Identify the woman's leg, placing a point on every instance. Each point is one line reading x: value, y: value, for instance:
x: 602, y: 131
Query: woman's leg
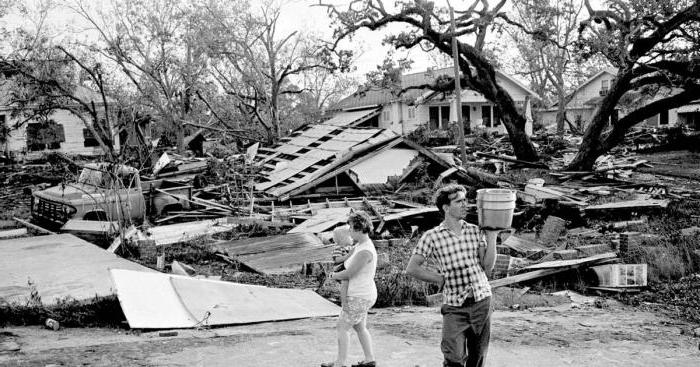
x: 365, y: 339
x: 342, y: 328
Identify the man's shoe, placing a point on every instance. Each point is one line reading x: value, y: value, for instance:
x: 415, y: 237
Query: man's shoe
x: 365, y: 364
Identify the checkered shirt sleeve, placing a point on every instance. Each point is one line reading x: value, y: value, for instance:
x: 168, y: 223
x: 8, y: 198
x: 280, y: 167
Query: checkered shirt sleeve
x: 458, y: 260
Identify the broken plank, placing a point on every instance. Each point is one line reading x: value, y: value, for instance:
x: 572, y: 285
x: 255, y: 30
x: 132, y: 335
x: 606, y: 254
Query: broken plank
x: 563, y: 265
x: 630, y: 204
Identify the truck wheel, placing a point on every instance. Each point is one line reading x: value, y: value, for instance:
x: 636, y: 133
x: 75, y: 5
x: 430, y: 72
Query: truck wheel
x: 96, y: 216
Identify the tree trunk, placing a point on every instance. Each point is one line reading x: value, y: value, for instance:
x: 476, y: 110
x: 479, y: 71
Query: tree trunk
x: 592, y: 144
x: 561, y: 112
x: 515, y: 125
x: 180, y: 134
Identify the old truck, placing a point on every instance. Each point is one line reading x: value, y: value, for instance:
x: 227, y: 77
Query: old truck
x: 108, y: 192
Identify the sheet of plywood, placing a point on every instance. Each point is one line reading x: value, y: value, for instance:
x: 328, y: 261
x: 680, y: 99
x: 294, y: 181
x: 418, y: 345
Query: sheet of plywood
x: 278, y: 254
x: 324, y: 220
x: 157, y: 301
x: 59, y: 266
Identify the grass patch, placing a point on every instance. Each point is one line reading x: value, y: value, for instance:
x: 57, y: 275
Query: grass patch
x: 96, y: 312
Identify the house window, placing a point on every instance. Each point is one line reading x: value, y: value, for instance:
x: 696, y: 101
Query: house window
x: 42, y: 136
x: 604, y: 87
x: 433, y: 117
x: 386, y: 115
x: 663, y: 118
x: 89, y: 139
x: 486, y: 115
x: 411, y: 112
x: 444, y: 116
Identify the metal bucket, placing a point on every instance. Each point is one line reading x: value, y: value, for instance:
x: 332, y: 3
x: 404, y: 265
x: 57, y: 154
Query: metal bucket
x: 495, y: 208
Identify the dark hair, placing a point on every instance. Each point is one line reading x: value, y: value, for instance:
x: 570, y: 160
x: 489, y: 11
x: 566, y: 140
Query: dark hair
x: 443, y: 195
x: 360, y: 221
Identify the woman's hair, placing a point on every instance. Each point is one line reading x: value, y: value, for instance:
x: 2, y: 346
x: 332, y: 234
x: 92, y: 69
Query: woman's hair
x: 444, y: 194
x: 360, y: 221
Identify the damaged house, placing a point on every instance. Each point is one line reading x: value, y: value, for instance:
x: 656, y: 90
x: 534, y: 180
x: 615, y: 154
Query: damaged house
x: 403, y: 113
x: 327, y: 161
x: 64, y: 131
x: 585, y: 99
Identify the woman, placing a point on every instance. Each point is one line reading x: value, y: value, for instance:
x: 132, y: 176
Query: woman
x: 360, y: 268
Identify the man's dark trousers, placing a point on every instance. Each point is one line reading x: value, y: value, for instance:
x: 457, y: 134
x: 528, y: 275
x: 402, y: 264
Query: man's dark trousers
x: 466, y: 331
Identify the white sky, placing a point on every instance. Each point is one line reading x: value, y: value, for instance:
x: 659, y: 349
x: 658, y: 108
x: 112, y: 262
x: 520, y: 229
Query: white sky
x: 300, y: 15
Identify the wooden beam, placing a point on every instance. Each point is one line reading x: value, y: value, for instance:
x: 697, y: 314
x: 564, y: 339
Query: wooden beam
x: 32, y: 226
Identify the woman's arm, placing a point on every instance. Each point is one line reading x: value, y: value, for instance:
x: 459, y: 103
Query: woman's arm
x: 362, y: 258
x: 339, y: 257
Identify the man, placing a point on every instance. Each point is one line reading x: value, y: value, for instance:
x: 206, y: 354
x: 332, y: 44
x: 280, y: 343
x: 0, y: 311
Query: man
x: 463, y: 259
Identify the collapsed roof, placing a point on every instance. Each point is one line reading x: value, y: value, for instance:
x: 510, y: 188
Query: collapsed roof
x: 346, y: 159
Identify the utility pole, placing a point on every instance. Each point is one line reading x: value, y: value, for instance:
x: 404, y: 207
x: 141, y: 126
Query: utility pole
x: 458, y: 89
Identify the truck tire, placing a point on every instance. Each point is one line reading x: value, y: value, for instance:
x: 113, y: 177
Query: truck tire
x: 96, y: 216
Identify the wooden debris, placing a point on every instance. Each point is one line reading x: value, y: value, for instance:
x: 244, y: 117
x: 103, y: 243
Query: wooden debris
x: 33, y: 226
x: 628, y: 205
x: 118, y: 241
x: 560, y: 266
x: 277, y: 254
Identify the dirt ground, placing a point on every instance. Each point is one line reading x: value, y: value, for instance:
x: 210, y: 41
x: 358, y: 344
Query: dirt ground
x: 565, y: 335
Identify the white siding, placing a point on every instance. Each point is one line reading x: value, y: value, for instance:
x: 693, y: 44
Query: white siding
x: 74, y: 141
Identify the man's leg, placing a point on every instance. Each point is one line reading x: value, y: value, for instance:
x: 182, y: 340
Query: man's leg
x: 479, y: 334
x: 454, y: 326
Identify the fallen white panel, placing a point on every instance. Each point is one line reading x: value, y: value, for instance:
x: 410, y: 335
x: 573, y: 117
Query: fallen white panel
x: 228, y: 303
x: 158, y: 301
x: 59, y: 266
x: 149, y: 300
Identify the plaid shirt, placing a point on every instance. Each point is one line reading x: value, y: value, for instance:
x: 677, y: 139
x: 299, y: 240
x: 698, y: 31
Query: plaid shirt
x: 458, y: 260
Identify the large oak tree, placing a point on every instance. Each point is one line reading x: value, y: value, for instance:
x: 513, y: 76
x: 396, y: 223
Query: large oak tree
x: 427, y: 25
x: 655, y: 46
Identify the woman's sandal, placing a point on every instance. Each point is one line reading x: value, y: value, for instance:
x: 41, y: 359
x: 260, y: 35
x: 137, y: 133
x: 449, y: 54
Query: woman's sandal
x: 365, y: 364
x: 330, y: 364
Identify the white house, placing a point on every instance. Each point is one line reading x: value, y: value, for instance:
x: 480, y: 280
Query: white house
x: 588, y: 96
x: 404, y: 113
x: 66, y: 134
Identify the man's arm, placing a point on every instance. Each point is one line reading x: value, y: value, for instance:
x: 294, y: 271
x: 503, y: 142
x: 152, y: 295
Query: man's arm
x: 415, y: 269
x: 487, y: 256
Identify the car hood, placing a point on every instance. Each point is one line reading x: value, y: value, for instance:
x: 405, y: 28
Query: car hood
x: 74, y: 191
